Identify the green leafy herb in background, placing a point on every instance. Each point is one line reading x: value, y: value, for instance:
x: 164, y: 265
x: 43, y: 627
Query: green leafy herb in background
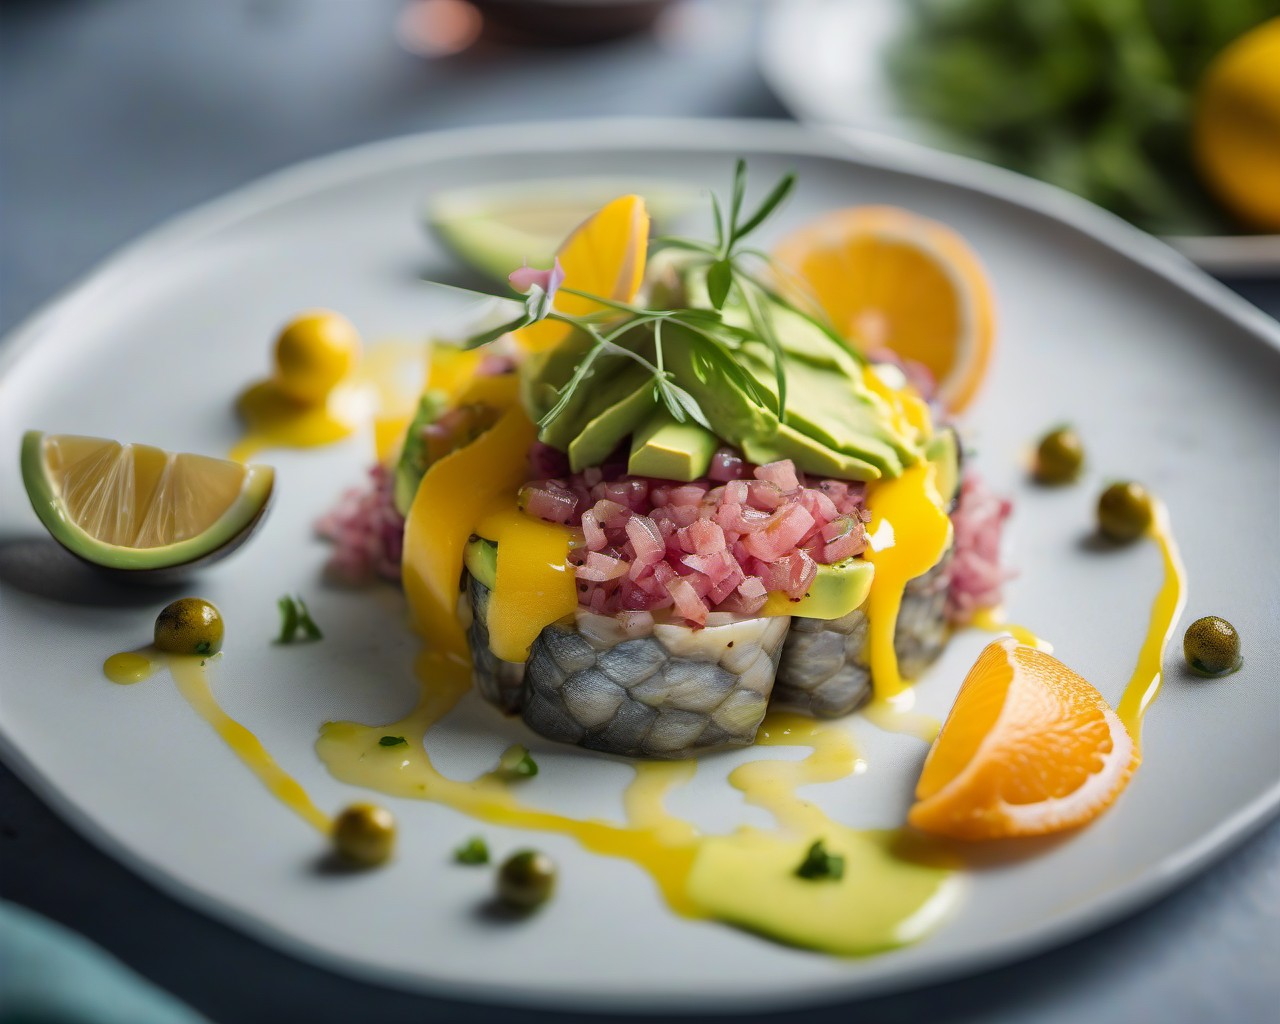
x: 1092, y: 95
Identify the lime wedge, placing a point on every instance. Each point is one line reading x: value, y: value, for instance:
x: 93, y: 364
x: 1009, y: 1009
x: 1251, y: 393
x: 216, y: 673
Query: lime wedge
x: 131, y: 506
x: 496, y: 228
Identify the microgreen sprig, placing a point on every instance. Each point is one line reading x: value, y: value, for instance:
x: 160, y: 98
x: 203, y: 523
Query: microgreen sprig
x: 619, y: 328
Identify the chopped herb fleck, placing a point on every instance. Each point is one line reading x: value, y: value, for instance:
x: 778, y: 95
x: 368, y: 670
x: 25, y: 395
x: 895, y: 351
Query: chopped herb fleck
x: 474, y: 851
x: 392, y: 741
x: 515, y: 763
x: 819, y: 865
x: 295, y: 616
x: 204, y: 647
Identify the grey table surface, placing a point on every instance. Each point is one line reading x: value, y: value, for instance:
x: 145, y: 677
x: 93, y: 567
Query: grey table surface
x: 118, y: 113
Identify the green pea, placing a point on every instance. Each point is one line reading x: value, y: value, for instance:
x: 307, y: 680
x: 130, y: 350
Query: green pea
x: 1125, y: 511
x: 189, y: 626
x: 1059, y: 457
x: 364, y: 834
x: 526, y: 879
x: 1211, y: 646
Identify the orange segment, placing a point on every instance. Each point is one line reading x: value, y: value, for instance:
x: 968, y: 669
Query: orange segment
x: 890, y: 279
x: 605, y: 255
x: 1029, y: 748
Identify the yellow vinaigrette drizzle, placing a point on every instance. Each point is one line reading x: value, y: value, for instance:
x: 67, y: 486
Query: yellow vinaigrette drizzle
x: 745, y: 878
x: 1166, y: 609
x: 380, y: 390
x: 191, y: 676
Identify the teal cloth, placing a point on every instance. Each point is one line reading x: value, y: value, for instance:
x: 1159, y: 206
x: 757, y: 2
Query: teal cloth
x: 49, y: 975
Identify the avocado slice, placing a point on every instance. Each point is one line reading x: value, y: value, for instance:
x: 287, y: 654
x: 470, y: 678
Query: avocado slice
x: 480, y: 556
x: 836, y: 590
x: 543, y: 374
x: 943, y: 450
x: 809, y: 455
x: 833, y: 410
x: 733, y: 415
x: 493, y: 228
x: 414, y: 459
x: 669, y: 450
x: 618, y: 380
x: 603, y: 433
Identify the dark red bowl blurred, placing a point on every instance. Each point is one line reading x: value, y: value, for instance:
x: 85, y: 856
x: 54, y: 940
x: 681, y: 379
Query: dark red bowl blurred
x: 565, y: 22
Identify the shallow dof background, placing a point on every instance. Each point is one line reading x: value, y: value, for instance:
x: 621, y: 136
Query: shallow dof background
x: 118, y: 113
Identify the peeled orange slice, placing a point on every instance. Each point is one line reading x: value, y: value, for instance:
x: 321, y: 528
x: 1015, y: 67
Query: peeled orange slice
x: 131, y: 506
x: 892, y: 280
x: 605, y: 255
x: 1029, y: 748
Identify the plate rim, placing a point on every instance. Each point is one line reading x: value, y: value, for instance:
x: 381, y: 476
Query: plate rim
x: 706, y: 135
x: 1242, y: 255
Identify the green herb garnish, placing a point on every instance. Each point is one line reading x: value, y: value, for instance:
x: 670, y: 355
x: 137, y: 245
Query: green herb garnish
x: 515, y: 763
x: 393, y: 741
x: 295, y: 616
x: 474, y: 851
x: 819, y: 865
x: 734, y: 274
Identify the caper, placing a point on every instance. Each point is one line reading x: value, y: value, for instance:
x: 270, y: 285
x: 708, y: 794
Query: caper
x: 364, y: 834
x: 526, y: 879
x: 1059, y: 457
x: 1211, y: 646
x: 1124, y: 511
x: 189, y: 626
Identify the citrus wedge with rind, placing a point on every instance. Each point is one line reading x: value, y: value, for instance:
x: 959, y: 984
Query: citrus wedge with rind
x: 136, y: 507
x: 1029, y: 748
x: 605, y: 256
x: 890, y: 279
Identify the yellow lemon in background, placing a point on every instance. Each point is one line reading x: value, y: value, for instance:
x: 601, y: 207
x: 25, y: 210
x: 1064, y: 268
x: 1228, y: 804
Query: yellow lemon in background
x: 1237, y: 126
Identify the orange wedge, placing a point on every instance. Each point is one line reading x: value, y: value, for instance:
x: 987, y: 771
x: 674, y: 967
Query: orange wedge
x: 892, y: 280
x: 1029, y: 748
x: 605, y: 255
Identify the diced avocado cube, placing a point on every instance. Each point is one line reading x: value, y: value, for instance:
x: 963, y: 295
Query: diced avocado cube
x: 603, y: 433
x: 671, y: 451
x: 836, y: 590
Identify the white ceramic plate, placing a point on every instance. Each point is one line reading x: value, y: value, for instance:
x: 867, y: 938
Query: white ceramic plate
x: 1169, y: 377
x: 824, y: 60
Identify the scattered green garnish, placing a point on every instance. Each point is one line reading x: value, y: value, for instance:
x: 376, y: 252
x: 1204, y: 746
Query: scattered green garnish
x: 392, y: 741
x: 819, y: 865
x: 474, y: 851
x: 734, y: 275
x: 295, y: 616
x: 1211, y: 646
x: 515, y: 763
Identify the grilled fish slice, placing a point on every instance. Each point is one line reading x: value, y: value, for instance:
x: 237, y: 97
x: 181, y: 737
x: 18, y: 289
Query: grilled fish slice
x: 668, y: 691
x: 825, y: 671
